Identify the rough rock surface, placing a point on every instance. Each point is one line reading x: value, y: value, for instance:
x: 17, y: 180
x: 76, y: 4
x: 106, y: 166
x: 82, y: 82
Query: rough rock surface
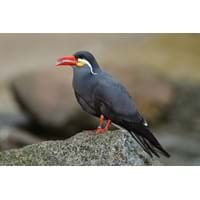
x: 112, y: 148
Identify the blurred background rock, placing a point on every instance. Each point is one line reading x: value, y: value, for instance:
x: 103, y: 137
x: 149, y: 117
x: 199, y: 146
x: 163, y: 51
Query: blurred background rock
x: 161, y: 71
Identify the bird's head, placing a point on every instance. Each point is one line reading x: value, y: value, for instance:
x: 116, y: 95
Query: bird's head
x: 79, y: 60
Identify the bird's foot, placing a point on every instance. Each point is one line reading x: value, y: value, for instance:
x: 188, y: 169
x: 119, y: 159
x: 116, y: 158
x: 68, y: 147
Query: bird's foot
x: 100, y: 130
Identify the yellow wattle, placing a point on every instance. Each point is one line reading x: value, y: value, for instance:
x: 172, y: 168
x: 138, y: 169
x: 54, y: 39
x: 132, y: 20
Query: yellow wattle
x: 80, y: 64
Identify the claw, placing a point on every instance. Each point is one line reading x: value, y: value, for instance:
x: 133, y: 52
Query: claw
x: 99, y: 129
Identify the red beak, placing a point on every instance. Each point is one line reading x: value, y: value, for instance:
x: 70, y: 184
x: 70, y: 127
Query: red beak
x: 66, y: 61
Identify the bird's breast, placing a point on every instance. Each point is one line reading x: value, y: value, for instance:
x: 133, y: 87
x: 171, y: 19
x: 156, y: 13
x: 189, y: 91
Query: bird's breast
x: 84, y: 85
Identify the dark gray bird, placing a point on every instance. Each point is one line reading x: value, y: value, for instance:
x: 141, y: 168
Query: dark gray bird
x: 102, y: 96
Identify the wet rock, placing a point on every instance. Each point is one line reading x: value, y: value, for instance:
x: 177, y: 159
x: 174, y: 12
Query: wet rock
x: 112, y: 148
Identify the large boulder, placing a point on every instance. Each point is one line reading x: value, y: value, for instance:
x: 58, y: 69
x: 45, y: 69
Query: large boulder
x: 48, y: 100
x: 9, y: 113
x: 46, y: 97
x: 112, y: 148
x: 180, y: 131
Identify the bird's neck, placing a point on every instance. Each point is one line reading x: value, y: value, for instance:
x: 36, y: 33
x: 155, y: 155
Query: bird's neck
x: 88, y: 69
x: 83, y: 80
x: 93, y: 67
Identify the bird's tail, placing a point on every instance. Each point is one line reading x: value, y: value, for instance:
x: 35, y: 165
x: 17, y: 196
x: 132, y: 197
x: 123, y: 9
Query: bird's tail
x: 147, y: 141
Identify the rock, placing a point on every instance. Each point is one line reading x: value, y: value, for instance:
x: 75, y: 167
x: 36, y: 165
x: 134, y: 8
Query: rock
x: 45, y: 96
x: 183, y: 147
x: 10, y: 116
x: 185, y: 110
x: 112, y: 148
x: 12, y: 137
x: 9, y: 112
x: 48, y: 99
x: 179, y: 133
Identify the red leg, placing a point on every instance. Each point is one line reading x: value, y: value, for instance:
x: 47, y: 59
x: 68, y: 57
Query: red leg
x: 102, y: 130
x: 107, y: 125
x: 101, y: 121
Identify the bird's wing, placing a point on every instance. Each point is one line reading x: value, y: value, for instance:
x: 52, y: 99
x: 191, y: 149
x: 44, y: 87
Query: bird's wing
x: 85, y: 104
x: 113, y: 100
